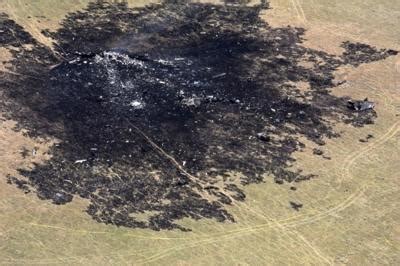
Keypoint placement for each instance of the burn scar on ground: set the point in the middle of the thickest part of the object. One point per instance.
(153, 107)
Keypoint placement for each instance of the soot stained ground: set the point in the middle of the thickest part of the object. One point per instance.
(154, 106)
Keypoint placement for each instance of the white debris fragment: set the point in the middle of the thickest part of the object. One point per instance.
(192, 101)
(80, 161)
(219, 75)
(137, 104)
(164, 62)
(109, 57)
(74, 61)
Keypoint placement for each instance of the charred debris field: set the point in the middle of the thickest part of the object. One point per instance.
(155, 107)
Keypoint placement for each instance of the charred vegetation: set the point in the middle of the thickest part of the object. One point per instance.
(155, 106)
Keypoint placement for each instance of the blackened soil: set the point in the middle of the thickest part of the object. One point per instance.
(153, 106)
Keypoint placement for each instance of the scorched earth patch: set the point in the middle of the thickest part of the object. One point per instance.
(154, 107)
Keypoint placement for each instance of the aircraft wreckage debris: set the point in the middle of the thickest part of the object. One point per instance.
(361, 105)
(156, 107)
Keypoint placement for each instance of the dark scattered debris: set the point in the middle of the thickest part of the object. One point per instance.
(296, 206)
(127, 89)
(319, 141)
(263, 137)
(293, 188)
(367, 138)
(301, 177)
(317, 151)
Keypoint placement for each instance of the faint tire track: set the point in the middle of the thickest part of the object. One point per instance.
(351, 158)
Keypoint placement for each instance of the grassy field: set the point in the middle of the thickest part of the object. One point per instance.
(350, 214)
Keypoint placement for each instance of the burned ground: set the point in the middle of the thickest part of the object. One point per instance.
(154, 107)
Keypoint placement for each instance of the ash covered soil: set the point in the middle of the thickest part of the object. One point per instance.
(155, 107)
